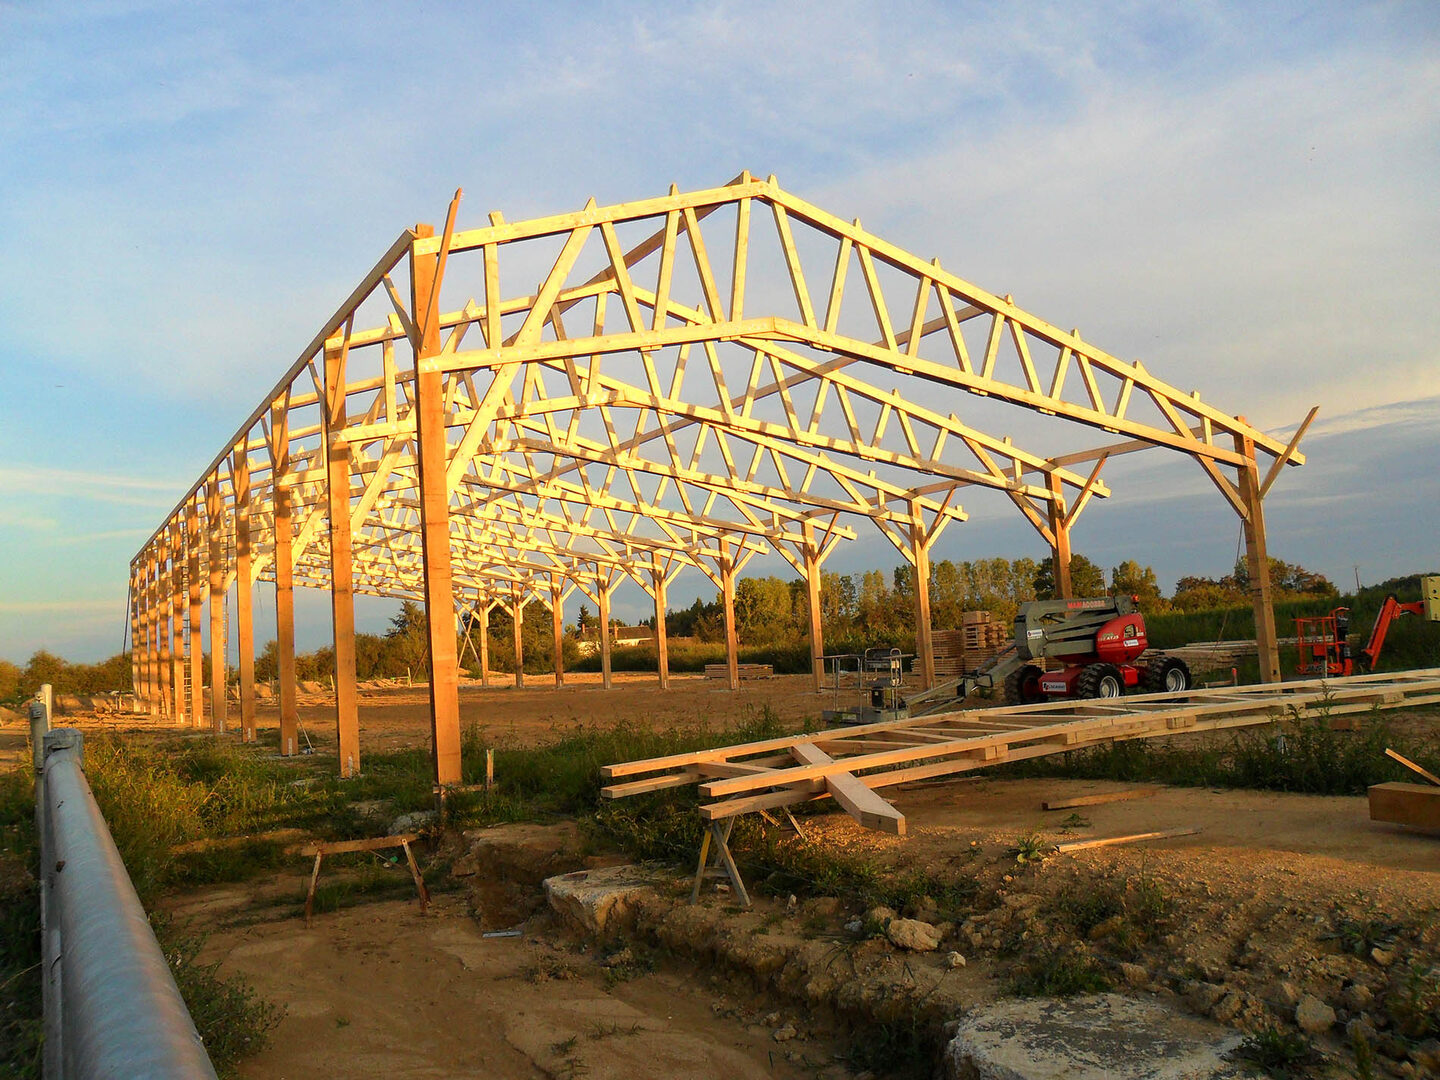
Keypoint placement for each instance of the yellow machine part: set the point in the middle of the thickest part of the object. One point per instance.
(1430, 590)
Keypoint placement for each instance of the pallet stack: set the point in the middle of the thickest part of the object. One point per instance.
(971, 648)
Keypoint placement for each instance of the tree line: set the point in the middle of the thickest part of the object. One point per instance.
(857, 611)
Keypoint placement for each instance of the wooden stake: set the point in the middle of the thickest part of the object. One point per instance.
(1134, 838)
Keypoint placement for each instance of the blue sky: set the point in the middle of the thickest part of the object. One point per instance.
(1241, 195)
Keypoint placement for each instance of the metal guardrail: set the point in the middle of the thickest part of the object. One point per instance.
(112, 1009)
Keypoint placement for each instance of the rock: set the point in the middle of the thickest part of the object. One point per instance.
(913, 934)
(1357, 997)
(1134, 974)
(854, 926)
(791, 904)
(881, 915)
(954, 960)
(784, 1034)
(412, 822)
(1285, 994)
(825, 906)
(1361, 1028)
(595, 899)
(1228, 1007)
(1084, 1039)
(1204, 996)
(1313, 1015)
(1383, 957)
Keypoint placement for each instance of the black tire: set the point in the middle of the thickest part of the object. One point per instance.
(1023, 687)
(1167, 675)
(1100, 681)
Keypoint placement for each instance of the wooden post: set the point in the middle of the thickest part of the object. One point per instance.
(152, 634)
(162, 612)
(517, 624)
(485, 643)
(817, 634)
(433, 459)
(285, 620)
(1257, 562)
(342, 570)
(215, 524)
(244, 592)
(197, 595)
(557, 626)
(135, 684)
(606, 679)
(1060, 550)
(662, 647)
(177, 619)
(732, 640)
(920, 557)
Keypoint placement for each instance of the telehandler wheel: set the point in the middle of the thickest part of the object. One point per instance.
(1100, 681)
(1167, 675)
(1023, 687)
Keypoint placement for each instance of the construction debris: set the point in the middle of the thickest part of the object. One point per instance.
(1133, 838)
(1103, 797)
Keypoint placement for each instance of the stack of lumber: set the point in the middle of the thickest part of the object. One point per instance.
(971, 648)
(745, 671)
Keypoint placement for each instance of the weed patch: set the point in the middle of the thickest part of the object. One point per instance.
(1058, 973)
(1278, 1054)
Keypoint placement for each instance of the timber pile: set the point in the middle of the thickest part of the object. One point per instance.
(744, 671)
(849, 764)
(970, 649)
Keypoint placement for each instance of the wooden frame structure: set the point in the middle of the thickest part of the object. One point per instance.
(696, 379)
(852, 764)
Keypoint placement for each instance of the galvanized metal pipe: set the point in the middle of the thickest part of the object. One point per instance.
(116, 1010)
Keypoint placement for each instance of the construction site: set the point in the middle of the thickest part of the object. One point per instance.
(1025, 845)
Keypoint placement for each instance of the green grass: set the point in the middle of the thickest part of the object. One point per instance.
(1275, 1053)
(1058, 973)
(1300, 754)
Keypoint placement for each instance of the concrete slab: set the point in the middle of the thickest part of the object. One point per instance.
(1097, 1037)
(605, 897)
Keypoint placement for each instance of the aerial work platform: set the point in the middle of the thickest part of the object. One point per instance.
(850, 764)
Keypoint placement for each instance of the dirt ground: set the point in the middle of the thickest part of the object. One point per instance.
(377, 990)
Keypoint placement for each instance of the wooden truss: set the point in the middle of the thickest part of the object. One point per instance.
(696, 379)
(852, 764)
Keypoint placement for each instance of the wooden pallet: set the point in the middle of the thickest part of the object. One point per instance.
(850, 764)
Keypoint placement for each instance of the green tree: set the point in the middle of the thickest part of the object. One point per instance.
(408, 637)
(1086, 579)
(10, 676)
(1132, 579)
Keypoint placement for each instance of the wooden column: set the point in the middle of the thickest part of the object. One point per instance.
(215, 525)
(603, 601)
(285, 620)
(732, 640)
(197, 599)
(162, 612)
(244, 592)
(177, 620)
(342, 570)
(662, 647)
(485, 643)
(1257, 562)
(1060, 549)
(817, 634)
(433, 458)
(517, 624)
(135, 679)
(920, 557)
(152, 633)
(557, 628)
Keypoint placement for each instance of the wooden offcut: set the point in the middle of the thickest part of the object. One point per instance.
(1097, 800)
(1130, 838)
(1416, 805)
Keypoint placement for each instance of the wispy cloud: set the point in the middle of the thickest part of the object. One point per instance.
(121, 488)
(70, 607)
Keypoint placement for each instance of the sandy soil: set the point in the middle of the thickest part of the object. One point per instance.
(380, 990)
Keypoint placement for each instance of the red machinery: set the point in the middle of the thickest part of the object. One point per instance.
(1323, 639)
(1097, 640)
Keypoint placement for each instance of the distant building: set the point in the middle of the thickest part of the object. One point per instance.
(589, 641)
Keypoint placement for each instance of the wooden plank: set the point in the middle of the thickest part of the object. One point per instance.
(374, 843)
(859, 801)
(1096, 800)
(1412, 766)
(1133, 838)
(1416, 805)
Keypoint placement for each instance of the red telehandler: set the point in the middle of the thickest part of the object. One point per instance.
(1323, 639)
